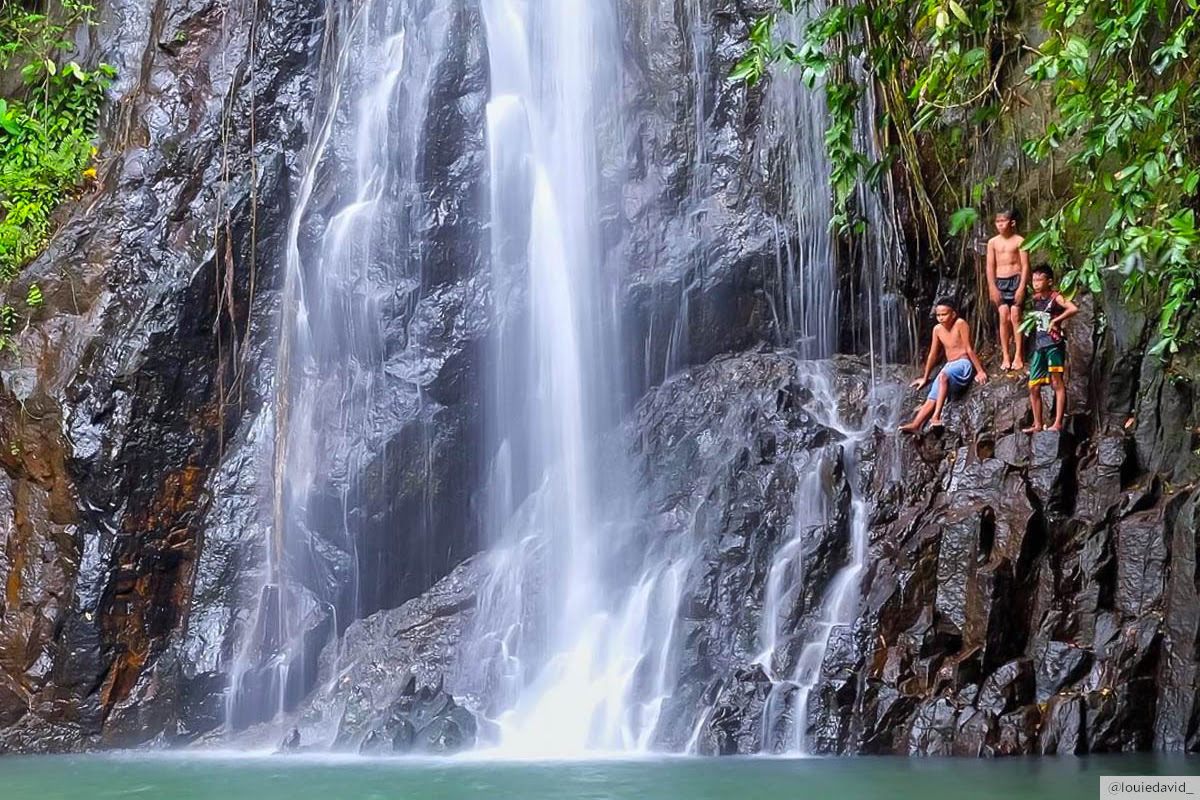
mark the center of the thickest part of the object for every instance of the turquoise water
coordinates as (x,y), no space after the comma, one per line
(233,777)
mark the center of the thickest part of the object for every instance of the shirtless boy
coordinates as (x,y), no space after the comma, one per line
(1008,277)
(951,338)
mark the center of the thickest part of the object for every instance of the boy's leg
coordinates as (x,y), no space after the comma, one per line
(1038,375)
(942,393)
(1035,405)
(1060,400)
(1005,334)
(923,413)
(1018,338)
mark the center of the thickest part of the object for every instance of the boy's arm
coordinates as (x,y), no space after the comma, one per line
(981,375)
(1069,310)
(930,361)
(993,289)
(1026,277)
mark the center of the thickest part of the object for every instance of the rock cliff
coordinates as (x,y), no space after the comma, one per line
(1020,594)
(126,389)
(1031,594)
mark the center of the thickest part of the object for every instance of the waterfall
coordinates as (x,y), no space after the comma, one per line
(883,320)
(578,627)
(574,643)
(562,630)
(787,706)
(809,282)
(347,275)
(806,265)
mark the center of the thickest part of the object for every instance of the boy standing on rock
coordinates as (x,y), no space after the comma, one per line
(1048,310)
(951,336)
(1008,276)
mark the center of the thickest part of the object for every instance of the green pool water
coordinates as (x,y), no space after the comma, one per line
(236,777)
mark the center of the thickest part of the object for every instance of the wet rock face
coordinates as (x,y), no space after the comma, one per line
(421,721)
(128,386)
(734,454)
(700,191)
(1029,594)
(381,685)
(139,414)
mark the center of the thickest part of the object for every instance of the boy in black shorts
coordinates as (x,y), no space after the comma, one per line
(1008,276)
(1047,311)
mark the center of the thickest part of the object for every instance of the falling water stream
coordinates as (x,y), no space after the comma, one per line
(563,673)
(574,646)
(348,272)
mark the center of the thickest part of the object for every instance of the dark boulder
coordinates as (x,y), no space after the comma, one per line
(423,720)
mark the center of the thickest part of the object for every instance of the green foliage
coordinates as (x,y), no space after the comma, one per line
(45,148)
(963,220)
(8,323)
(1122,75)
(47,129)
(1124,79)
(928,59)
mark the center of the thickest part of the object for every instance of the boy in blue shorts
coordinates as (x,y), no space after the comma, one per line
(951,338)
(1047,311)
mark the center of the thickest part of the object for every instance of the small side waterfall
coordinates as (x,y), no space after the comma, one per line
(884,323)
(787,708)
(806,263)
(352,266)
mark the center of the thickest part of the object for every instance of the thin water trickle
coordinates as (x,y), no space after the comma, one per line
(805,262)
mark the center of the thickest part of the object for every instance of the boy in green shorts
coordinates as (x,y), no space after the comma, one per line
(1048,310)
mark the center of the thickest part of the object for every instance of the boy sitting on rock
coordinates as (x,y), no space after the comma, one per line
(951,337)
(1047,311)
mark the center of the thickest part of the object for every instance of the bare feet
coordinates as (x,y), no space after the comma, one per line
(1018,365)
(936,422)
(909,428)
(1054,428)
(1005,366)
(1031,429)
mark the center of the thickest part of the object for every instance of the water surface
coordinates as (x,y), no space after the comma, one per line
(234,777)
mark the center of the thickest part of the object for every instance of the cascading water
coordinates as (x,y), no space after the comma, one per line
(787,708)
(577,636)
(562,631)
(809,318)
(577,625)
(348,275)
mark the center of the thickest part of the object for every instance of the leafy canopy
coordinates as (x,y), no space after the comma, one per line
(47,131)
(1121,77)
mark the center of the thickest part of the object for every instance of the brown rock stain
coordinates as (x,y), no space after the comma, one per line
(151,586)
